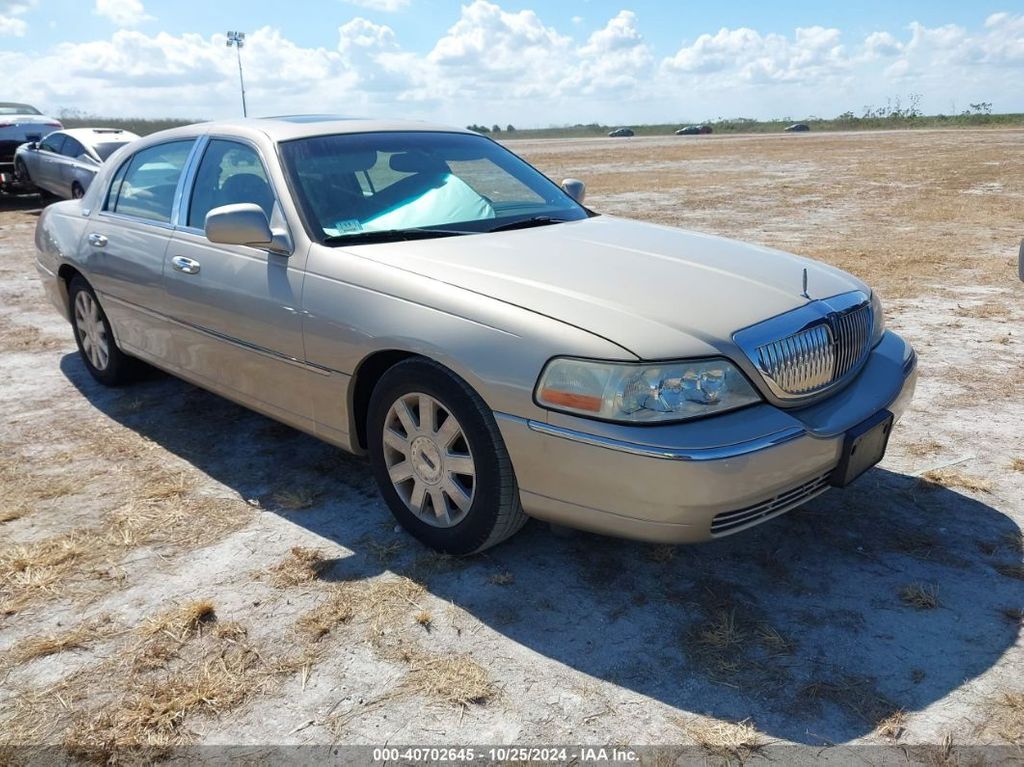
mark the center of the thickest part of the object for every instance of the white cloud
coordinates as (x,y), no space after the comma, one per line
(362,34)
(387,6)
(488,45)
(493,65)
(743,56)
(881,45)
(10,24)
(614,58)
(15,7)
(124,13)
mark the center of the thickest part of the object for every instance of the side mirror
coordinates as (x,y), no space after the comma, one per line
(575,189)
(33,145)
(244,223)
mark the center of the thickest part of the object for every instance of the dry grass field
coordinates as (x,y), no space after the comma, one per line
(175,569)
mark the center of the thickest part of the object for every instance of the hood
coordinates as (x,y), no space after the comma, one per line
(657,291)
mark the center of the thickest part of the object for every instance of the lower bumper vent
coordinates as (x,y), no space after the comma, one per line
(733,521)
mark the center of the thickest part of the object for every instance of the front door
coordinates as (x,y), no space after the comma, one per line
(44,170)
(235,310)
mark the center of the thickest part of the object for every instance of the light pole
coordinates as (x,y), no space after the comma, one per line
(237,39)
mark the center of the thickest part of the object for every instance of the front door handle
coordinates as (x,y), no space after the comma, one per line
(186,265)
(97,240)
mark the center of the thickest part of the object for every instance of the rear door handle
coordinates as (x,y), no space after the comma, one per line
(97,240)
(186,265)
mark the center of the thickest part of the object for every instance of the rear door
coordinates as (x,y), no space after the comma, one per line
(125,245)
(74,165)
(236,309)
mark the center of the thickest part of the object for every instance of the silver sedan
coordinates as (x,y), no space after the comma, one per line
(422,295)
(65,162)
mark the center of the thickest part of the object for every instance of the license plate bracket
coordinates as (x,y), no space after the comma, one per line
(863,447)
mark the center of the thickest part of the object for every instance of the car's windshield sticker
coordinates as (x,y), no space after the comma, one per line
(346,226)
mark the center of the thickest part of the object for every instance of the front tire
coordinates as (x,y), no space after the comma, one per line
(439,460)
(104,361)
(21,172)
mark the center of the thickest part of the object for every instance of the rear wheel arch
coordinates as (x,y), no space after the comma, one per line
(66,273)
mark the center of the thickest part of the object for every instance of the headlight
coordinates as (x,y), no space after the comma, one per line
(643,393)
(877,318)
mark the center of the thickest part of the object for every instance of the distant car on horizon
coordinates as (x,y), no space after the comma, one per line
(19,123)
(65,162)
(798,128)
(694,130)
(621,133)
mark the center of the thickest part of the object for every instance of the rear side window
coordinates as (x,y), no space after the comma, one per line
(144,186)
(229,173)
(72,148)
(115,186)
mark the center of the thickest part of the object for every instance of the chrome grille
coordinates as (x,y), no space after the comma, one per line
(734,521)
(811,348)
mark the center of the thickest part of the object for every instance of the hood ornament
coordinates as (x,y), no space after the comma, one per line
(805,293)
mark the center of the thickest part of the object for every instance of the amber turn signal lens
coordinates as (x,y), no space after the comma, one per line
(570,399)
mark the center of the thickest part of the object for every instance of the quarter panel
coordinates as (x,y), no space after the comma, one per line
(58,235)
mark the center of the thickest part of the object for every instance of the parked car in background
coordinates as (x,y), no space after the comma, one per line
(422,295)
(621,133)
(694,130)
(798,128)
(19,123)
(65,162)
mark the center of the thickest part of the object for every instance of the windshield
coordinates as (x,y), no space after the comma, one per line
(353,184)
(107,148)
(18,109)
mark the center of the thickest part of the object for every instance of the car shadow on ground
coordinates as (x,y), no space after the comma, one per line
(32,204)
(804,624)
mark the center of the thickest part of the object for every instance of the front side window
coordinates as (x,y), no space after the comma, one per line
(352,185)
(144,187)
(53,143)
(229,173)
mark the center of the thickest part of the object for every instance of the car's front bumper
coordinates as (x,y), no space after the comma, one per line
(694,481)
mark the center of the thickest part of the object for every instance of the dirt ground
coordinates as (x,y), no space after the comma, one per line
(175,569)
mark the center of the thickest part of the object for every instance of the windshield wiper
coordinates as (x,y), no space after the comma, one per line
(526,223)
(391,235)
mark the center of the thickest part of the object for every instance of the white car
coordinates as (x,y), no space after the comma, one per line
(66,161)
(19,123)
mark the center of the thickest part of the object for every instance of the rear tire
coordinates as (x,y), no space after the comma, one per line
(439,459)
(104,361)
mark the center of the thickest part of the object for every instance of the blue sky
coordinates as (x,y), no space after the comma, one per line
(533,63)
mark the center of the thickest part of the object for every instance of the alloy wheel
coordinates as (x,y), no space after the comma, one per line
(91,330)
(429,460)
